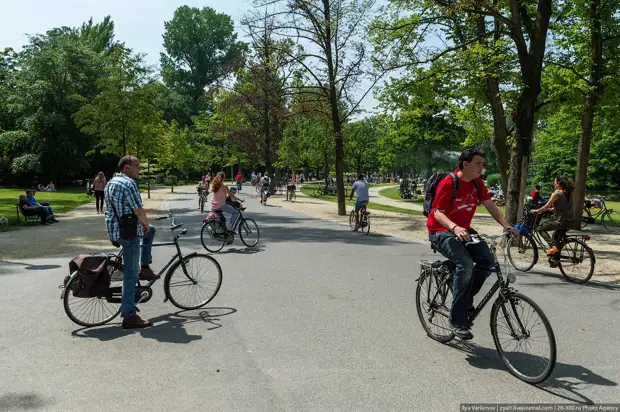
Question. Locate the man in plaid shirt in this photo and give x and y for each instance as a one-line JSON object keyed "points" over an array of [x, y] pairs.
{"points": [[122, 198]]}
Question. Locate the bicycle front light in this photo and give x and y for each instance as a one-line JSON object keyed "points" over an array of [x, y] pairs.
{"points": [[512, 278]]}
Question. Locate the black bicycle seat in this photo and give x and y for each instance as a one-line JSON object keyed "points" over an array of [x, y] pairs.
{"points": [[115, 243]]}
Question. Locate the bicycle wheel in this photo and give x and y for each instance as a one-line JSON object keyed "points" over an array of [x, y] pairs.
{"points": [[510, 317], [202, 204], [611, 221], [433, 301], [89, 312], [522, 252], [352, 220], [249, 232], [209, 239], [196, 269], [585, 217], [365, 223], [576, 261]]}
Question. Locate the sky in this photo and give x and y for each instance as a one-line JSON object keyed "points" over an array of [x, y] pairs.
{"points": [[138, 23]]}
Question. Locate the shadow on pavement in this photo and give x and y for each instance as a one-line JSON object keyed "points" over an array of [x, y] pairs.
{"points": [[10, 268], [566, 381], [21, 401], [284, 228], [166, 328], [28, 266], [561, 281]]}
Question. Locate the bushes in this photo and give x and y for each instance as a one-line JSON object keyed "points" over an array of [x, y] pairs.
{"points": [[493, 179]]}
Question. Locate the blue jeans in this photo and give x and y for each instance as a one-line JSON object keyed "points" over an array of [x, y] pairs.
{"points": [[468, 279], [226, 208], [133, 257]]}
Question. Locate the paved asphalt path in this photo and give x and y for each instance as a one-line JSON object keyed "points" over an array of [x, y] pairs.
{"points": [[317, 318]]}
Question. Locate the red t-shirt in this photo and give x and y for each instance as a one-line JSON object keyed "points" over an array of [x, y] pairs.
{"points": [[535, 195], [238, 177], [462, 210]]}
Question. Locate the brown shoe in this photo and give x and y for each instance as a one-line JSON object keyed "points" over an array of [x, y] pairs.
{"points": [[147, 274], [135, 322]]}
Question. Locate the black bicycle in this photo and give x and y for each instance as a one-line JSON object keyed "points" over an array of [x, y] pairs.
{"points": [[514, 327], [214, 235], [364, 220], [199, 273], [202, 194], [574, 257], [610, 218]]}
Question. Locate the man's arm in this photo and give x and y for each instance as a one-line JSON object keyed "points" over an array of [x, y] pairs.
{"points": [[142, 218], [135, 202]]}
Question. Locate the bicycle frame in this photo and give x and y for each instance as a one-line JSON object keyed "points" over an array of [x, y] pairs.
{"points": [[178, 256], [234, 227]]}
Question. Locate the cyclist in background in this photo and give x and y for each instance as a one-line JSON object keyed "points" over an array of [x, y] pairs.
{"points": [[202, 188], [449, 225], [360, 187], [264, 183], [562, 221]]}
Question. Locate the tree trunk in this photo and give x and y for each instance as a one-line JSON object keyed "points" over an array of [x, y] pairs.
{"points": [[589, 111], [325, 169], [519, 160], [531, 62], [342, 209], [148, 173], [500, 131], [491, 90]]}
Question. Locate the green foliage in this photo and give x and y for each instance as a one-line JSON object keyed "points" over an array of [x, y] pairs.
{"points": [[123, 114], [493, 179], [201, 48]]}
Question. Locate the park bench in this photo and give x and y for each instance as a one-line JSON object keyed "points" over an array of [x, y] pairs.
{"points": [[29, 215]]}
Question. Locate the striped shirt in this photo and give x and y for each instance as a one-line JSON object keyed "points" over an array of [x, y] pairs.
{"points": [[121, 191]]}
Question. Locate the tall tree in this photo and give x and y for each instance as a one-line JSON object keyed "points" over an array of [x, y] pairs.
{"points": [[201, 49], [586, 67], [525, 25], [124, 114], [335, 60]]}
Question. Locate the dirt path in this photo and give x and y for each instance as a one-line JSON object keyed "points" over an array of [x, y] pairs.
{"points": [[80, 230], [606, 246]]}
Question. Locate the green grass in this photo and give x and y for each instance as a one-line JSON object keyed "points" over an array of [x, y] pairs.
{"points": [[308, 189], [392, 193], [61, 201]]}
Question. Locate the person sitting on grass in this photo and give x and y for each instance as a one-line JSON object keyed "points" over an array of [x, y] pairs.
{"points": [[45, 206], [30, 210]]}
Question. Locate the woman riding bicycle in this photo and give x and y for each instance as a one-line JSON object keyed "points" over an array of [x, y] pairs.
{"points": [[218, 198], [562, 221]]}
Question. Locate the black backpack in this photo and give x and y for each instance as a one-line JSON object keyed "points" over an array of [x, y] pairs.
{"points": [[431, 188]]}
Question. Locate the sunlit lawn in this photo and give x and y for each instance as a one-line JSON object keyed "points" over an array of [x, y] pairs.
{"points": [[61, 201]]}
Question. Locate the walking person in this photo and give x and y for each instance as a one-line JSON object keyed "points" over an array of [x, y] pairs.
{"points": [[98, 186], [125, 214]]}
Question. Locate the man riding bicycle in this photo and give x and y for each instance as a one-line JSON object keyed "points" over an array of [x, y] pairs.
{"points": [[264, 183], [449, 226], [202, 188], [361, 188]]}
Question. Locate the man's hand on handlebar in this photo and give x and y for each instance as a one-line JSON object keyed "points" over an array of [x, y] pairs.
{"points": [[514, 230]]}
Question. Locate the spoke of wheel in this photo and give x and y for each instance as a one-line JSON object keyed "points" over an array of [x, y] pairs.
{"points": [[524, 353], [196, 293]]}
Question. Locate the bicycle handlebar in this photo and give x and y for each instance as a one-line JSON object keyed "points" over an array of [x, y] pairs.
{"points": [[173, 225], [478, 238]]}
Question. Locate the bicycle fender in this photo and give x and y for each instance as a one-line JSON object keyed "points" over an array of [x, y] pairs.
{"points": [[67, 286]]}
